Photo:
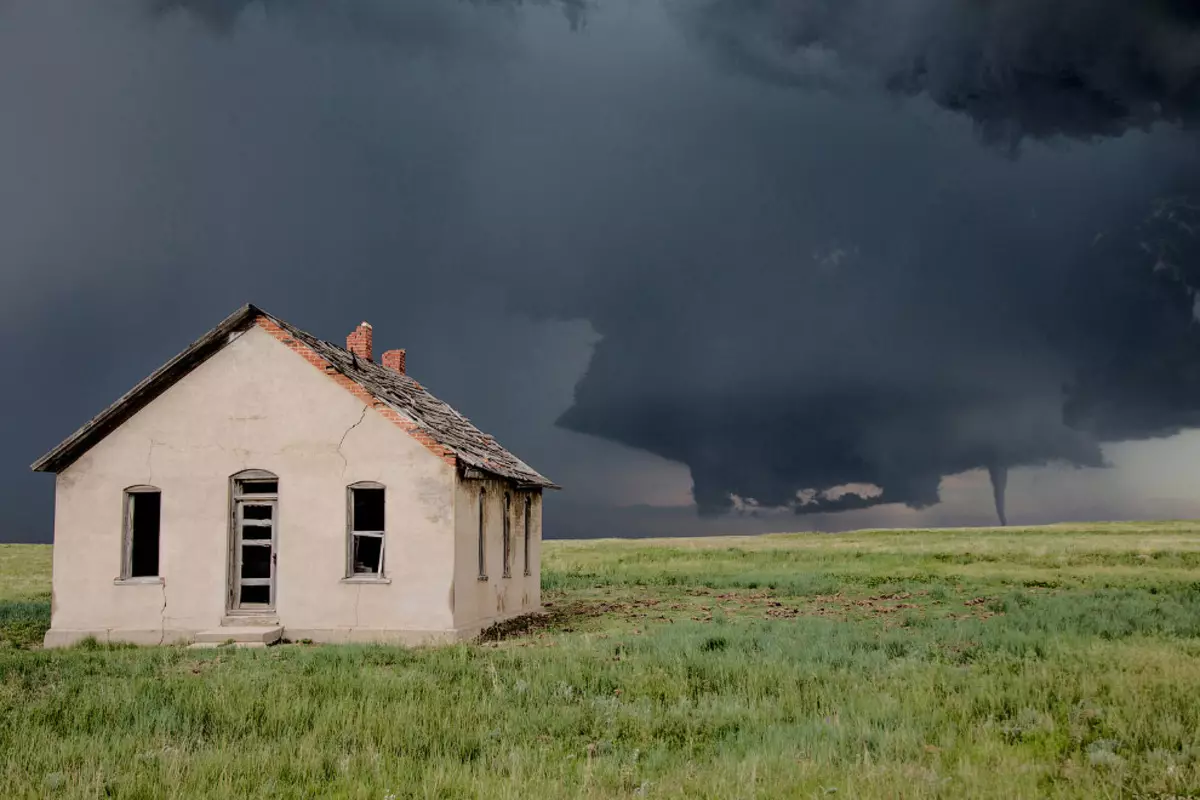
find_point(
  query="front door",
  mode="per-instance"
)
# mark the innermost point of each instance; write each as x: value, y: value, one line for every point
x: 252, y: 560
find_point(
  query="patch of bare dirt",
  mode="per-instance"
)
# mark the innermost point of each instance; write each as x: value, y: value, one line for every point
x: 703, y: 605
x: 524, y: 625
x: 565, y: 617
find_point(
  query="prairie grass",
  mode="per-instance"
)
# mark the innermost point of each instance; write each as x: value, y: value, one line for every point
x: 1052, y: 662
x: 24, y: 594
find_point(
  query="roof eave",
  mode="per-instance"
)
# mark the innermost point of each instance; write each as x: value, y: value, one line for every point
x: 466, y: 469
x: 541, y: 484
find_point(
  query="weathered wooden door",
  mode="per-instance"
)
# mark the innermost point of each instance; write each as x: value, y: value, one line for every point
x: 253, y: 557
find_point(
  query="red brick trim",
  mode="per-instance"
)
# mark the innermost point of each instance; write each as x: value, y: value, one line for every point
x: 353, y: 387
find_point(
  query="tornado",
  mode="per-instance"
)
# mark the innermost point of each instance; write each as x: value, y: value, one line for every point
x: 999, y: 475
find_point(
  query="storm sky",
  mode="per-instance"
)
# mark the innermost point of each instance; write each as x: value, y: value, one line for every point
x: 713, y: 265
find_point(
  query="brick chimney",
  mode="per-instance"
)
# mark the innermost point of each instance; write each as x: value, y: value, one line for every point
x: 359, y: 342
x: 394, y: 359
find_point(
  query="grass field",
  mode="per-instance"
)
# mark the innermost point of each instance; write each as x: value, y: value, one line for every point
x: 1051, y: 662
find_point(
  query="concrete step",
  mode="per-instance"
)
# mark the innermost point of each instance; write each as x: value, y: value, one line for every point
x: 241, y: 635
x: 250, y: 621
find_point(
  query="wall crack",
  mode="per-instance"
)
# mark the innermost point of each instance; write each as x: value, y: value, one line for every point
x: 347, y: 433
x: 162, y: 631
x: 150, y: 460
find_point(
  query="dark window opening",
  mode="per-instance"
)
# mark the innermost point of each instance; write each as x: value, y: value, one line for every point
x: 482, y: 541
x: 256, y: 512
x: 528, y: 505
x: 258, y: 487
x: 256, y: 595
x: 256, y: 562
x: 145, y: 510
x: 255, y: 532
x: 507, y: 535
x: 368, y: 510
x: 366, y: 530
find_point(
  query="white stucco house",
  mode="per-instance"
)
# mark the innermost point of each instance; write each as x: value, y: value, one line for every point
x: 266, y: 484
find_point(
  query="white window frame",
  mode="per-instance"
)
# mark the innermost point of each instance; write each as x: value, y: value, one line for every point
x: 351, y: 533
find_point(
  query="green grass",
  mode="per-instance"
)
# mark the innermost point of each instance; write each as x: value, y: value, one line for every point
x: 24, y: 595
x: 1051, y: 662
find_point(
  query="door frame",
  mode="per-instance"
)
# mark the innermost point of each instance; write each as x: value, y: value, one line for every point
x: 240, y: 498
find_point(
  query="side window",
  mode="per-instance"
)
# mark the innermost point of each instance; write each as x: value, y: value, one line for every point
x: 365, y: 538
x: 143, y: 514
x: 482, y: 540
x: 507, y: 535
x: 528, y: 514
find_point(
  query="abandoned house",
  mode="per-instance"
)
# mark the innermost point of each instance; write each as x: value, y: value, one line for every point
x: 265, y: 484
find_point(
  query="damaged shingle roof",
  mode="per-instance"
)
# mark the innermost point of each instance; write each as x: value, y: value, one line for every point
x: 448, y: 427
x: 471, y: 446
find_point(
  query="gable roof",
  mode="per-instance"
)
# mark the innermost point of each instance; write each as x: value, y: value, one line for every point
x: 397, y: 396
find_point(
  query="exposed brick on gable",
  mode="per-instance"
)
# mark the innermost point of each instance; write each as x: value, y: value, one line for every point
x: 411, y: 428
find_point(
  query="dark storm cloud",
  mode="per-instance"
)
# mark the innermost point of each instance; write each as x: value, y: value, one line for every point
x: 416, y: 25
x: 1019, y: 68
x: 1005, y: 340
x: 796, y: 290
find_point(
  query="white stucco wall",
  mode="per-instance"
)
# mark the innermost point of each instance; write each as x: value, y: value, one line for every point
x: 480, y: 603
x: 256, y: 405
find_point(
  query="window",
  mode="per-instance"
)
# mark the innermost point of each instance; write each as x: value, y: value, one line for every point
x: 507, y: 535
x: 365, y: 546
x: 143, y: 512
x: 528, y: 513
x: 482, y: 540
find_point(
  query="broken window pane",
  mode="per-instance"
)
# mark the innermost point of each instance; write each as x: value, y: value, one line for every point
x: 256, y: 594
x: 368, y: 509
x: 368, y: 554
x: 144, y: 513
x: 367, y: 520
x: 256, y: 562
x: 259, y: 487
